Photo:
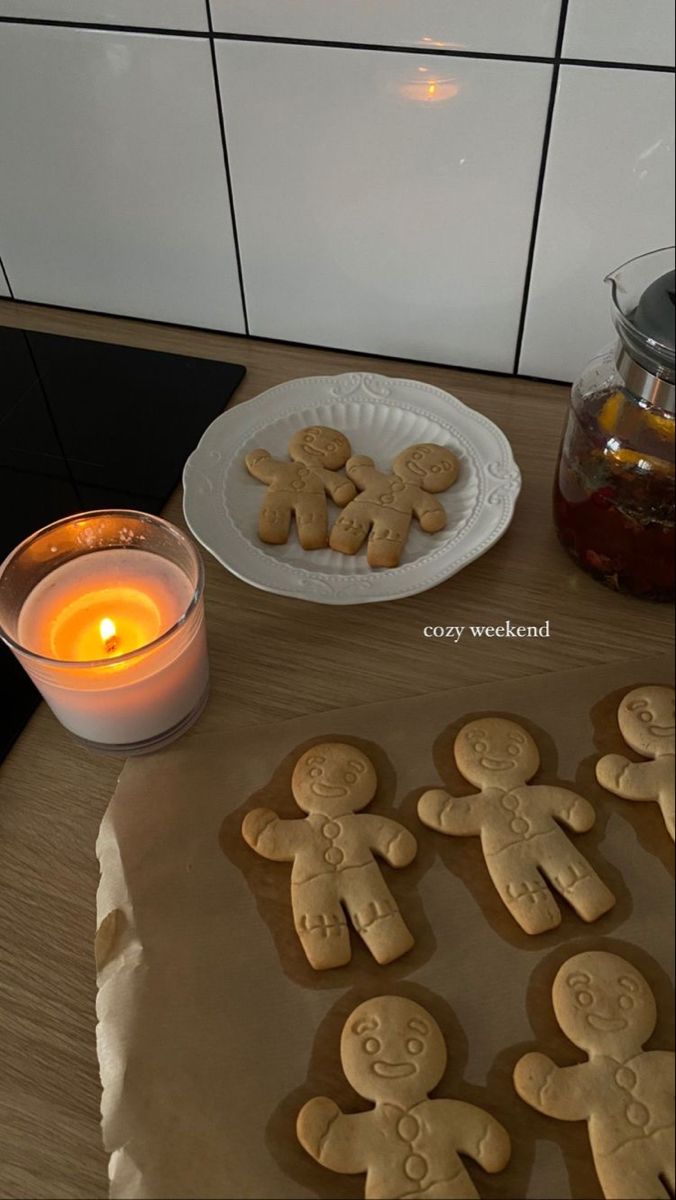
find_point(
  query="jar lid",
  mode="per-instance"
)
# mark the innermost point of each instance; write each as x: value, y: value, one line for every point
x: 655, y: 315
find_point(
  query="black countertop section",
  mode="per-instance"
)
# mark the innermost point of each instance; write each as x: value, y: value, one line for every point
x: 88, y: 425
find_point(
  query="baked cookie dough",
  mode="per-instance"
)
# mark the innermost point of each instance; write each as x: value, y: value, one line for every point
x: 332, y: 851
x: 386, y: 505
x: 523, y: 844
x: 624, y: 1093
x: 646, y: 720
x: 299, y: 488
x: 393, y: 1054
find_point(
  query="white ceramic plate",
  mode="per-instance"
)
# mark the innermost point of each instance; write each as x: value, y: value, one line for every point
x: 381, y: 417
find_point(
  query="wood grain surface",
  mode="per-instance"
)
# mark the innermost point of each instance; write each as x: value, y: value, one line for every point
x: 271, y: 658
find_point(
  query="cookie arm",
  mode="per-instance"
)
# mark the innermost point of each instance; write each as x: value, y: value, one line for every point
x: 662, y: 1064
x: 569, y: 808
x: 340, y: 489
x: 632, y: 781
x: 477, y: 1134
x: 331, y: 1138
x: 389, y: 839
x: 456, y: 816
x: 261, y: 465
x: 270, y: 837
x: 364, y: 473
x: 430, y: 512
x: 555, y: 1091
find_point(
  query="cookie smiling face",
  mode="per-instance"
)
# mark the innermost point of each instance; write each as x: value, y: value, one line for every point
x: 603, y: 1004
x: 392, y: 1051
x: 319, y: 446
x: 496, y: 753
x: 433, y: 468
x: 646, y: 720
x: 334, y: 779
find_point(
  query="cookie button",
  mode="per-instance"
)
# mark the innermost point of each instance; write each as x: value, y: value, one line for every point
x: 334, y: 856
x: 518, y: 825
x: 638, y: 1115
x: 331, y: 830
x: 510, y: 803
x: 415, y: 1167
x: 625, y: 1078
x: 408, y: 1128
x: 386, y: 499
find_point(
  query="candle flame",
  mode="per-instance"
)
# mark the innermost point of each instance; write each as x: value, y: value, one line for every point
x: 108, y: 632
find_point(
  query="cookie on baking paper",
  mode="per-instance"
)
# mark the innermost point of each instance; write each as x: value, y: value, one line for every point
x: 386, y: 505
x: 646, y: 720
x: 299, y: 488
x: 332, y: 850
x: 524, y: 846
x: 393, y: 1054
x: 625, y: 1093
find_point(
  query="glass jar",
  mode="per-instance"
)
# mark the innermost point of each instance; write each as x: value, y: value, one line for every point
x: 614, y: 489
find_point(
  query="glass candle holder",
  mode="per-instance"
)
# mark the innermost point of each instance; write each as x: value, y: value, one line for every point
x: 105, y: 610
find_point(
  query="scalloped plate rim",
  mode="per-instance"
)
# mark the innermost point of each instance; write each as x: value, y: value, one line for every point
x: 241, y: 420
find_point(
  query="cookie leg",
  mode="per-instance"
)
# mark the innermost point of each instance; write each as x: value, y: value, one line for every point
x: 321, y: 925
x: 386, y: 543
x: 374, y: 913
x: 349, y: 532
x: 626, y: 1176
x: 575, y: 879
x: 523, y: 890
x: 312, y: 519
x: 274, y: 523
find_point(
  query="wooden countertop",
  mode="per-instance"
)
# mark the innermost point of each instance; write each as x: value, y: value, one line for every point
x: 271, y: 658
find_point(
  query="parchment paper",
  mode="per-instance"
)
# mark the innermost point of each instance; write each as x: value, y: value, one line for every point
x: 213, y: 1030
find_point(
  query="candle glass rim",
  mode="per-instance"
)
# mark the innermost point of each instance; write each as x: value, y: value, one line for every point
x: 109, y: 661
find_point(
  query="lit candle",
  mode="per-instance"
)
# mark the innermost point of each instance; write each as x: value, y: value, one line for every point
x: 105, y: 611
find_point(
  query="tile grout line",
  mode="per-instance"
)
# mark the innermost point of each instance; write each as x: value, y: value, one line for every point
x: 539, y: 191
x: 226, y: 164
x: 439, y: 51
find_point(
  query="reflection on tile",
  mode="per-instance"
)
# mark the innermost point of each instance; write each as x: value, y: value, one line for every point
x: 115, y: 196
x: 608, y: 196
x: 520, y: 27
x: 394, y: 216
x: 154, y: 14
x: 621, y: 31
x: 28, y: 440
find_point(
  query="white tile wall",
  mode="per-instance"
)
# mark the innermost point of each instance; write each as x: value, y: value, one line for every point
x: 499, y: 26
x: 4, y: 290
x: 154, y: 14
x: 629, y: 31
x: 608, y: 196
x: 113, y: 194
x: 384, y: 201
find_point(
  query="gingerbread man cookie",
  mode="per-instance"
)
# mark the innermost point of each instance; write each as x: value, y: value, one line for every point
x: 646, y: 720
x: 625, y: 1093
x: 523, y: 845
x: 386, y: 505
x: 299, y: 488
x: 332, y: 853
x: 393, y: 1054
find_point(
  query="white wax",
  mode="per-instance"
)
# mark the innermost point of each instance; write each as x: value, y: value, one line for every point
x: 117, y: 702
